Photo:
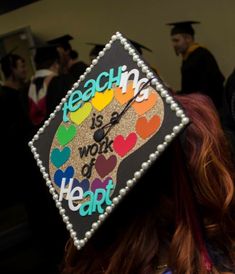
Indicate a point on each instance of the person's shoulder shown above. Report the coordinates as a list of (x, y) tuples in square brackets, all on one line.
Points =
[(202, 51)]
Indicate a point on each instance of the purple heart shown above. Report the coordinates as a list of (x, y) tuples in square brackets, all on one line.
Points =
[(60, 174), (97, 183), (105, 166), (84, 184)]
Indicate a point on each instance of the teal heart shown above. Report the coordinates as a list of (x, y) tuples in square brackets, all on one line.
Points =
[(65, 135), (58, 158)]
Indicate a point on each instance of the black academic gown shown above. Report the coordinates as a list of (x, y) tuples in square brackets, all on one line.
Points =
[(77, 69), (228, 114), (200, 73), (13, 140), (45, 218), (57, 89), (229, 101)]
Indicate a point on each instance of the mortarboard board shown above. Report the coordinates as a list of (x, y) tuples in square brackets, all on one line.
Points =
[(95, 49), (139, 47), (183, 27), (62, 41), (103, 136)]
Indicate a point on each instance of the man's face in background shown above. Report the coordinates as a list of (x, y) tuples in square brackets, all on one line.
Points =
[(181, 42)]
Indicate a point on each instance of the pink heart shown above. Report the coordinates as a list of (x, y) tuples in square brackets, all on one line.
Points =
[(123, 146), (105, 166)]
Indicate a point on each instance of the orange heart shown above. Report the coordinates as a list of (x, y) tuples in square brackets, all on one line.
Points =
[(144, 106), (123, 98), (146, 128)]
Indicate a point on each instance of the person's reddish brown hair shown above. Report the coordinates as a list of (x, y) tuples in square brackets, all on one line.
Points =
[(203, 202)]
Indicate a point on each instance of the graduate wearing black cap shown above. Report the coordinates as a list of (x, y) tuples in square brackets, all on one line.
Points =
[(14, 164), (14, 70), (199, 70), (12, 122), (96, 48), (63, 46), (12, 96), (47, 87)]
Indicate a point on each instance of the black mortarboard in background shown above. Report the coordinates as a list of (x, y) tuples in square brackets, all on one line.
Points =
[(139, 47), (95, 49), (183, 27), (98, 47), (62, 41)]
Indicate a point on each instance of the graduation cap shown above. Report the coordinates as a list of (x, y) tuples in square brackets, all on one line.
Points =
[(183, 27), (95, 49), (98, 47), (62, 41), (104, 135), (140, 47)]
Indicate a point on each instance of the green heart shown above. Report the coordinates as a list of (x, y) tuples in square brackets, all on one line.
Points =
[(65, 135)]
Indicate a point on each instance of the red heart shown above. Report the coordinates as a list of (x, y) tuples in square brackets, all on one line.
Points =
[(123, 146)]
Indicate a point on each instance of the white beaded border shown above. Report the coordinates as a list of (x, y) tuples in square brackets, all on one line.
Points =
[(79, 243)]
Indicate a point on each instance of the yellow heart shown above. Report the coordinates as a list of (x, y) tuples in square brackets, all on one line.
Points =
[(81, 114), (101, 100)]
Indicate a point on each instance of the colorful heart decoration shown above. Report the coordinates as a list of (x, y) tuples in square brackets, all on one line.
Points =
[(58, 158), (146, 128), (105, 166), (146, 105), (81, 114), (122, 146), (60, 174), (84, 184), (65, 135), (102, 99), (97, 183), (121, 97)]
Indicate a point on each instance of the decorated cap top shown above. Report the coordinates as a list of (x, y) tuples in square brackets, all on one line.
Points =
[(108, 130)]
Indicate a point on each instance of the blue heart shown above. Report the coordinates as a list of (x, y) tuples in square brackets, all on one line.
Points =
[(58, 158), (60, 174), (168, 271), (84, 184)]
